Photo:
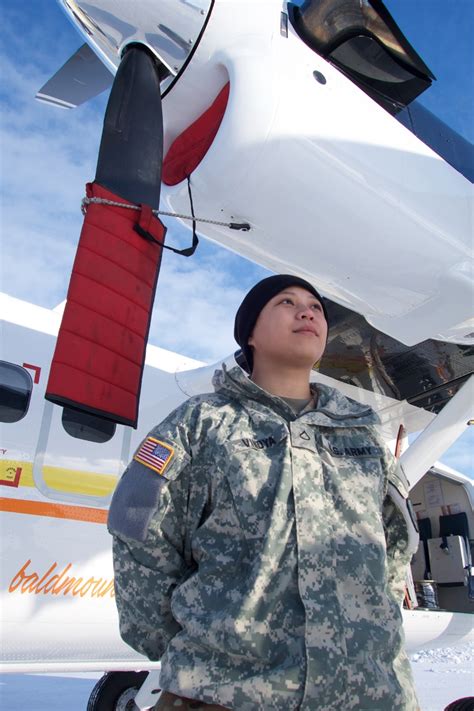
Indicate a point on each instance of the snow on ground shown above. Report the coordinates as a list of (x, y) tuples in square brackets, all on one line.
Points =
[(40, 692), (441, 676)]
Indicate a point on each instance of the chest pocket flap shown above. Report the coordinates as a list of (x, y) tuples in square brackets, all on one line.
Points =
[(255, 463)]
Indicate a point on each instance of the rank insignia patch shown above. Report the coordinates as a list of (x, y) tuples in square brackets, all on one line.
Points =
[(154, 454)]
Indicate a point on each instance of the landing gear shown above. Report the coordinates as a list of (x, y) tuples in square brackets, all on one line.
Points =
[(116, 691), (465, 704)]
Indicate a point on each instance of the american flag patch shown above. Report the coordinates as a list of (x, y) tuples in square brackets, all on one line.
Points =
[(154, 454)]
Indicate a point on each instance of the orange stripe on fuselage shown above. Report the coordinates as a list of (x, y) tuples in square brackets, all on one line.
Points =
[(39, 508)]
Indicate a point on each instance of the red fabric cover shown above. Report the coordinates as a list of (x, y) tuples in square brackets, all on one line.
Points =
[(98, 362), (190, 147)]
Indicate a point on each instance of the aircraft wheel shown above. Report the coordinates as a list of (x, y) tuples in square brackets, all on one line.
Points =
[(465, 704), (115, 691)]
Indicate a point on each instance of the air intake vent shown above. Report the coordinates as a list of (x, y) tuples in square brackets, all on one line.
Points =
[(362, 39)]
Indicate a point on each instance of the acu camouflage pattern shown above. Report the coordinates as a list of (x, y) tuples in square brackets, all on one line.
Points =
[(271, 574)]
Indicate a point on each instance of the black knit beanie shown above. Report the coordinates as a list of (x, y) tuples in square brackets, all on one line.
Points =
[(249, 310)]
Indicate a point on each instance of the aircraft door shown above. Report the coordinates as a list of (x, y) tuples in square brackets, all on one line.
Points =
[(79, 457)]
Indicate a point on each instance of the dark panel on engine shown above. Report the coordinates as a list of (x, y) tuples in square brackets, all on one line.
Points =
[(426, 375)]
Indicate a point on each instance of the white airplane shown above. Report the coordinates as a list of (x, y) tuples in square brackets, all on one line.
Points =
[(290, 121)]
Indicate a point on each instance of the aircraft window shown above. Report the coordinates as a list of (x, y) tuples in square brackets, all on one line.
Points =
[(85, 426), (16, 386)]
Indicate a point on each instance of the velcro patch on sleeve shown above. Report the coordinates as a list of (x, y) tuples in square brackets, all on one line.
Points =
[(135, 501), (154, 454)]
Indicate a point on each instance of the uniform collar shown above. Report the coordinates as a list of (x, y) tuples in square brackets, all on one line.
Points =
[(332, 409)]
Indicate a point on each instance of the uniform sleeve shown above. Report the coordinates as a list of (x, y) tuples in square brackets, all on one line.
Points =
[(148, 520), (401, 531)]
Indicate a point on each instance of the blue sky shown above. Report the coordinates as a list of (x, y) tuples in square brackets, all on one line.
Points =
[(441, 33), (47, 155)]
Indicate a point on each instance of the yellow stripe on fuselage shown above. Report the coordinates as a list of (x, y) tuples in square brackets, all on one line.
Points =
[(57, 478)]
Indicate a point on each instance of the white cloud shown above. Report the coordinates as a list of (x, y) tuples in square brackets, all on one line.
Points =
[(461, 455), (47, 156), (197, 299)]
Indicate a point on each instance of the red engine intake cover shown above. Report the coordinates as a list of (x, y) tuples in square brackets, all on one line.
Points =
[(100, 353)]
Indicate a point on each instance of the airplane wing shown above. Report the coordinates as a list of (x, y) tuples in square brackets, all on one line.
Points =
[(81, 78)]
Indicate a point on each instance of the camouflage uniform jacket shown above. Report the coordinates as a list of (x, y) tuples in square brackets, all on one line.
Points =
[(264, 566)]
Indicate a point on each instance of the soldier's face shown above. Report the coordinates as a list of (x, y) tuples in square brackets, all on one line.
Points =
[(290, 330)]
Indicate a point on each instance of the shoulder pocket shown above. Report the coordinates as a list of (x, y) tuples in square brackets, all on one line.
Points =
[(399, 480), (138, 496)]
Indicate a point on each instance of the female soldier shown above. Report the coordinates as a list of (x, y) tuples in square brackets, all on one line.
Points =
[(261, 533)]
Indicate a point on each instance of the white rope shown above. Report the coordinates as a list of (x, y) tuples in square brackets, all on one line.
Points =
[(103, 201)]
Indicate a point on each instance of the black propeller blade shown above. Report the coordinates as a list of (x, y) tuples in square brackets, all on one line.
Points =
[(131, 149)]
